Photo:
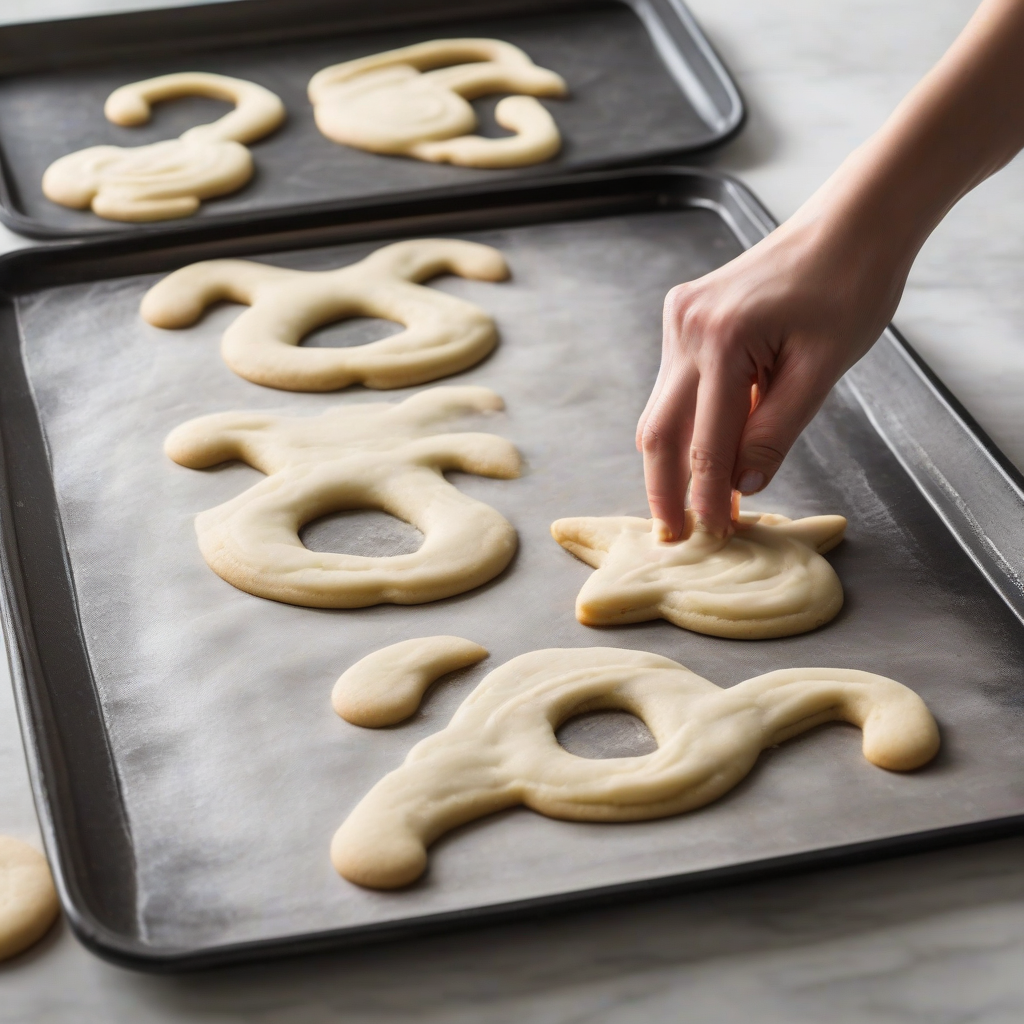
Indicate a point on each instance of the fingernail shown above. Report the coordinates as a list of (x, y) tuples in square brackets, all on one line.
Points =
[(663, 532), (689, 524), (750, 481)]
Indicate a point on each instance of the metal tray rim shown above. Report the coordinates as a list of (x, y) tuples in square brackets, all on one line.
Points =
[(139, 955), (729, 123)]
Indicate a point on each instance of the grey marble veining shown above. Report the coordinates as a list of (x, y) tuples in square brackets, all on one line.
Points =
[(936, 938)]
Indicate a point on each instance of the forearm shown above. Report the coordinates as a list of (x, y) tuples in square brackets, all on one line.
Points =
[(960, 124)]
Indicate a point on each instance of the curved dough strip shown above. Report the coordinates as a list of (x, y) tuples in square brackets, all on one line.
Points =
[(380, 455), (414, 102), (28, 899), (167, 179), (767, 580), (443, 334), (387, 686), (535, 139), (500, 750)]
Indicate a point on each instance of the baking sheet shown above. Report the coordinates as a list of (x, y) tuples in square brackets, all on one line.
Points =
[(234, 771), (643, 83)]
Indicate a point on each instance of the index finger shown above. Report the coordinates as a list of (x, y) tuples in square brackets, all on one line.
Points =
[(665, 442), (722, 408)]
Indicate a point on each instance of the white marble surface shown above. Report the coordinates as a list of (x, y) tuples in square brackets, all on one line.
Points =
[(935, 938)]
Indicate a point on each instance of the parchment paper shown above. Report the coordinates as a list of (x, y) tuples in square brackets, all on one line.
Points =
[(236, 772)]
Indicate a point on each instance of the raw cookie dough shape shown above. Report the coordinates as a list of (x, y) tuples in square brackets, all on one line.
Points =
[(768, 580), (28, 899), (386, 687), (380, 455), (443, 334), (167, 179), (500, 750), (414, 101)]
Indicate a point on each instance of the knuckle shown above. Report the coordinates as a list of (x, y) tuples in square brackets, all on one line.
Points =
[(716, 340), (724, 329), (708, 464), (657, 438), (764, 452), (660, 500), (677, 298), (685, 310), (695, 318)]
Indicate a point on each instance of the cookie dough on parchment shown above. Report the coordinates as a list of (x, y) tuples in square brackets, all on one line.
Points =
[(386, 456), (767, 580), (443, 334), (500, 750)]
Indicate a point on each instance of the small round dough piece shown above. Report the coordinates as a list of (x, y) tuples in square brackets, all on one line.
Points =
[(768, 580), (386, 687), (28, 899)]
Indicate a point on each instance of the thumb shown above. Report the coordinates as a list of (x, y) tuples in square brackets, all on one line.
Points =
[(791, 400)]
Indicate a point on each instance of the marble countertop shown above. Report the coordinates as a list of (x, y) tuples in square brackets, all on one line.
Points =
[(936, 937)]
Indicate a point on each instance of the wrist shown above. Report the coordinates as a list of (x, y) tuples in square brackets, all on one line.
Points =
[(864, 213)]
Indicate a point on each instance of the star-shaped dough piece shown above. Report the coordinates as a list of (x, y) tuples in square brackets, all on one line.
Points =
[(767, 580)]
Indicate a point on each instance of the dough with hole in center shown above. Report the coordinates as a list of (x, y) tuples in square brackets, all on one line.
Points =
[(28, 899), (167, 179), (443, 334), (500, 750), (373, 455), (414, 101), (767, 580)]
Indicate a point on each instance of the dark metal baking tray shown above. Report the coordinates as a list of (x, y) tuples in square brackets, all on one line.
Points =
[(931, 567), (645, 85)]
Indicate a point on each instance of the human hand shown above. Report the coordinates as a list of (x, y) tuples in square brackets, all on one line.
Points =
[(750, 352), (793, 313)]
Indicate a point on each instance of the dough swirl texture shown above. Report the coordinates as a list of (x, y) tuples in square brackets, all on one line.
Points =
[(767, 580), (414, 102), (167, 179)]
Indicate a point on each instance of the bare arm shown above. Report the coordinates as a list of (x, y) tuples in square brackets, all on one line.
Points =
[(796, 311)]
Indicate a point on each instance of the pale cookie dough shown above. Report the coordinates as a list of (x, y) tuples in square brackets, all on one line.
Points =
[(380, 456), (767, 580), (415, 102), (28, 899), (500, 750), (387, 686), (443, 334), (167, 179)]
